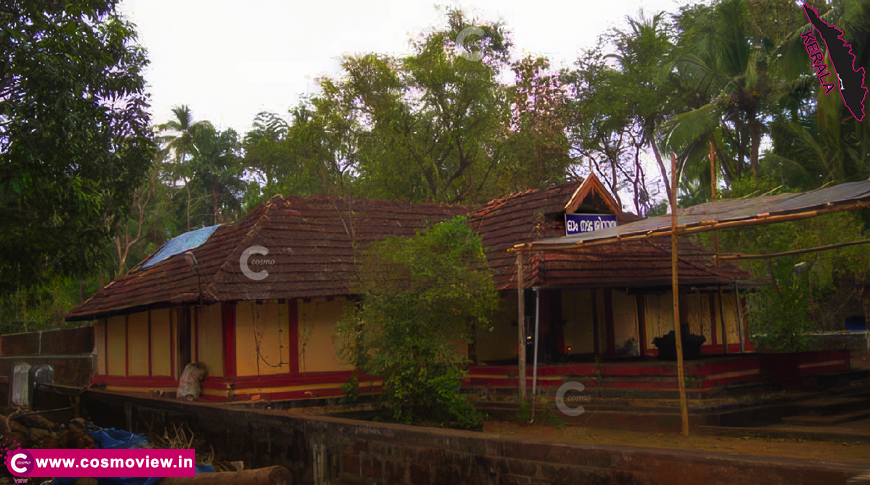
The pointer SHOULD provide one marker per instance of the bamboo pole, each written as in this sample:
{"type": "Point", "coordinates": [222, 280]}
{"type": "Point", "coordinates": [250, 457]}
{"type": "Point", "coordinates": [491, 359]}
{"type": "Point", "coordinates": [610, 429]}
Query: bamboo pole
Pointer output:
{"type": "Point", "coordinates": [521, 328]}
{"type": "Point", "coordinates": [684, 407]}
{"type": "Point", "coordinates": [794, 251]}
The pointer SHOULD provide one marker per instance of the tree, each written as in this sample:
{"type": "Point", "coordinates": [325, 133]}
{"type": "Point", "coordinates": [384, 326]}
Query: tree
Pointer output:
{"type": "Point", "coordinates": [178, 139]}
{"type": "Point", "coordinates": [430, 126]}
{"type": "Point", "coordinates": [743, 65]}
{"type": "Point", "coordinates": [313, 153]}
{"type": "Point", "coordinates": [151, 219]}
{"type": "Point", "coordinates": [216, 171]}
{"type": "Point", "coordinates": [815, 139]}
{"type": "Point", "coordinates": [622, 91]}
{"type": "Point", "coordinates": [422, 298]}
{"type": "Point", "coordinates": [74, 134]}
{"type": "Point", "coordinates": [537, 140]}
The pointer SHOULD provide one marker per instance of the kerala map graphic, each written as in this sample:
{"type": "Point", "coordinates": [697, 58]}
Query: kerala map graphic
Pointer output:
{"type": "Point", "coordinates": [851, 80]}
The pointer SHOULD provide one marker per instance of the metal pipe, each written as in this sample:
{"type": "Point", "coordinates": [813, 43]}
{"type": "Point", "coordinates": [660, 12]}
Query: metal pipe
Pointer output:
{"type": "Point", "coordinates": [535, 362]}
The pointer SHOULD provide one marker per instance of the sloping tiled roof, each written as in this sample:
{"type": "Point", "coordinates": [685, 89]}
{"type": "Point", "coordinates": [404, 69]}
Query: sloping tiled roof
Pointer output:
{"type": "Point", "coordinates": [517, 218]}
{"type": "Point", "coordinates": [312, 245]}
{"type": "Point", "coordinates": [636, 264]}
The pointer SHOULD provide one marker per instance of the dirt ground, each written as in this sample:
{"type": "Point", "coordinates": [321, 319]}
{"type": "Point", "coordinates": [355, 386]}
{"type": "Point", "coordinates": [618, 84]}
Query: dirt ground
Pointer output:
{"type": "Point", "coordinates": [809, 450]}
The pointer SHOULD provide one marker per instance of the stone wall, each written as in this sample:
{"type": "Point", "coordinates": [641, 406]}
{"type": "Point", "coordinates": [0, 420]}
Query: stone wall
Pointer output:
{"type": "Point", "coordinates": [326, 450]}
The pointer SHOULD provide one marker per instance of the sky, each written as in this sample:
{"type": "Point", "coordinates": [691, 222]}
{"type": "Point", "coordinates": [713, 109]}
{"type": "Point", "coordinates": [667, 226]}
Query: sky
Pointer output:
{"type": "Point", "coordinates": [229, 60]}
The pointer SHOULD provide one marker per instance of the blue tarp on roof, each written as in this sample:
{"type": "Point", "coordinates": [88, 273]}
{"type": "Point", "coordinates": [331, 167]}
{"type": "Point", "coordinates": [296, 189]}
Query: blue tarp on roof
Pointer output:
{"type": "Point", "coordinates": [180, 244]}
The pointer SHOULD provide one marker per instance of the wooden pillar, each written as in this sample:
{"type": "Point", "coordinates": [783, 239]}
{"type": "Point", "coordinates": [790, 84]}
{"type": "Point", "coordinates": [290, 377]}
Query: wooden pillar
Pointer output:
{"type": "Point", "coordinates": [293, 314]}
{"type": "Point", "coordinates": [596, 337]}
{"type": "Point", "coordinates": [739, 319]}
{"type": "Point", "coordinates": [641, 323]}
{"type": "Point", "coordinates": [684, 408]}
{"type": "Point", "coordinates": [228, 317]}
{"type": "Point", "coordinates": [608, 322]}
{"type": "Point", "coordinates": [724, 325]}
{"type": "Point", "coordinates": [521, 328]}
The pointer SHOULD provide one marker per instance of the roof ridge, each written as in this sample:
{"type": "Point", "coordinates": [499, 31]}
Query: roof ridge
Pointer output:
{"type": "Point", "coordinates": [514, 195]}
{"type": "Point", "coordinates": [251, 234]}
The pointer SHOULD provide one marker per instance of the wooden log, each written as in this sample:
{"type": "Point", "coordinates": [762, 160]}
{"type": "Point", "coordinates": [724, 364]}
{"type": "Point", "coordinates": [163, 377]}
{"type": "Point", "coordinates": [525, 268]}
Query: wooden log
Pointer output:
{"type": "Point", "coordinates": [273, 475]}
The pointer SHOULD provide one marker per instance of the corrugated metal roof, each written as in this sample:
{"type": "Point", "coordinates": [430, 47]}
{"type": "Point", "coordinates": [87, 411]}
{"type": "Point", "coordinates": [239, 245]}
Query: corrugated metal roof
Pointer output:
{"type": "Point", "coordinates": [712, 215]}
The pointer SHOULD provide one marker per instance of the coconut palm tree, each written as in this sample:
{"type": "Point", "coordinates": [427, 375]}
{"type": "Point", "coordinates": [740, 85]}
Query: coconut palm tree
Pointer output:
{"type": "Point", "coordinates": [178, 138]}
{"type": "Point", "coordinates": [742, 72]}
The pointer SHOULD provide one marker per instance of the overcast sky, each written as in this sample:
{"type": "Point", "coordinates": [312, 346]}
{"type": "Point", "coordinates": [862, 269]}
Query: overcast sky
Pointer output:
{"type": "Point", "coordinates": [229, 60]}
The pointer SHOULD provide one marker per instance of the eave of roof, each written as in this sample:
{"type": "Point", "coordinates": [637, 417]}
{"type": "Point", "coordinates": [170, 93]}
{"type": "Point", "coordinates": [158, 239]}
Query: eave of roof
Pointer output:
{"type": "Point", "coordinates": [723, 214]}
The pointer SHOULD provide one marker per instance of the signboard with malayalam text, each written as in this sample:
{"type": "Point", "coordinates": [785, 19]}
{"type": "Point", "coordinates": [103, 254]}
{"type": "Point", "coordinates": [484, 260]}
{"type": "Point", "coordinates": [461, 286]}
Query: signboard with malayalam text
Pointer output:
{"type": "Point", "coordinates": [580, 223]}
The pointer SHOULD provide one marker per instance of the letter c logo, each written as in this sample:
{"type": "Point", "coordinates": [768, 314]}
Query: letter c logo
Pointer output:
{"type": "Point", "coordinates": [243, 261]}
{"type": "Point", "coordinates": [24, 468]}
{"type": "Point", "coordinates": [467, 53]}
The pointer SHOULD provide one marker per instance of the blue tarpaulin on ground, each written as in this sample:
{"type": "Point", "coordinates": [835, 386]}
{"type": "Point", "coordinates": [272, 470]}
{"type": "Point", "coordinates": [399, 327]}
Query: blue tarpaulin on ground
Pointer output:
{"type": "Point", "coordinates": [116, 439]}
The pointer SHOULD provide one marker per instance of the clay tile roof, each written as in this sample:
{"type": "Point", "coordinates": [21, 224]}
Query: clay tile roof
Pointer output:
{"type": "Point", "coordinates": [312, 244]}
{"type": "Point", "coordinates": [534, 214]}
{"type": "Point", "coordinates": [516, 218]}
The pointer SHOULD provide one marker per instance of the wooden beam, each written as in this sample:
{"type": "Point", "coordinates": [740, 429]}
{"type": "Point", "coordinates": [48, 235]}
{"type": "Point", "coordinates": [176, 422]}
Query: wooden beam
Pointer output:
{"type": "Point", "coordinates": [684, 407]}
{"type": "Point", "coordinates": [521, 328]}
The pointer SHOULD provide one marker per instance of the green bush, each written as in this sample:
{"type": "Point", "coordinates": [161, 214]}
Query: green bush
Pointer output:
{"type": "Point", "coordinates": [423, 298]}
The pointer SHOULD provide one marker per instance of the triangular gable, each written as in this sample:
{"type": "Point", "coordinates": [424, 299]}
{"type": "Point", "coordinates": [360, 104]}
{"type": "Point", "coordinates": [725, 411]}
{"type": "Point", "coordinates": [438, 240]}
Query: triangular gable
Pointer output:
{"type": "Point", "coordinates": [592, 183]}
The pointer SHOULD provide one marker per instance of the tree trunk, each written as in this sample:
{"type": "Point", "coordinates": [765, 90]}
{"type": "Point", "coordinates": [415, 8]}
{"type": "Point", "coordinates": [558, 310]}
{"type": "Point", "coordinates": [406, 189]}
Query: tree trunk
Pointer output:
{"type": "Point", "coordinates": [755, 141]}
{"type": "Point", "coordinates": [214, 200]}
{"type": "Point", "coordinates": [187, 186]}
{"type": "Point", "coordinates": [741, 146]}
{"type": "Point", "coordinates": [662, 169]}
